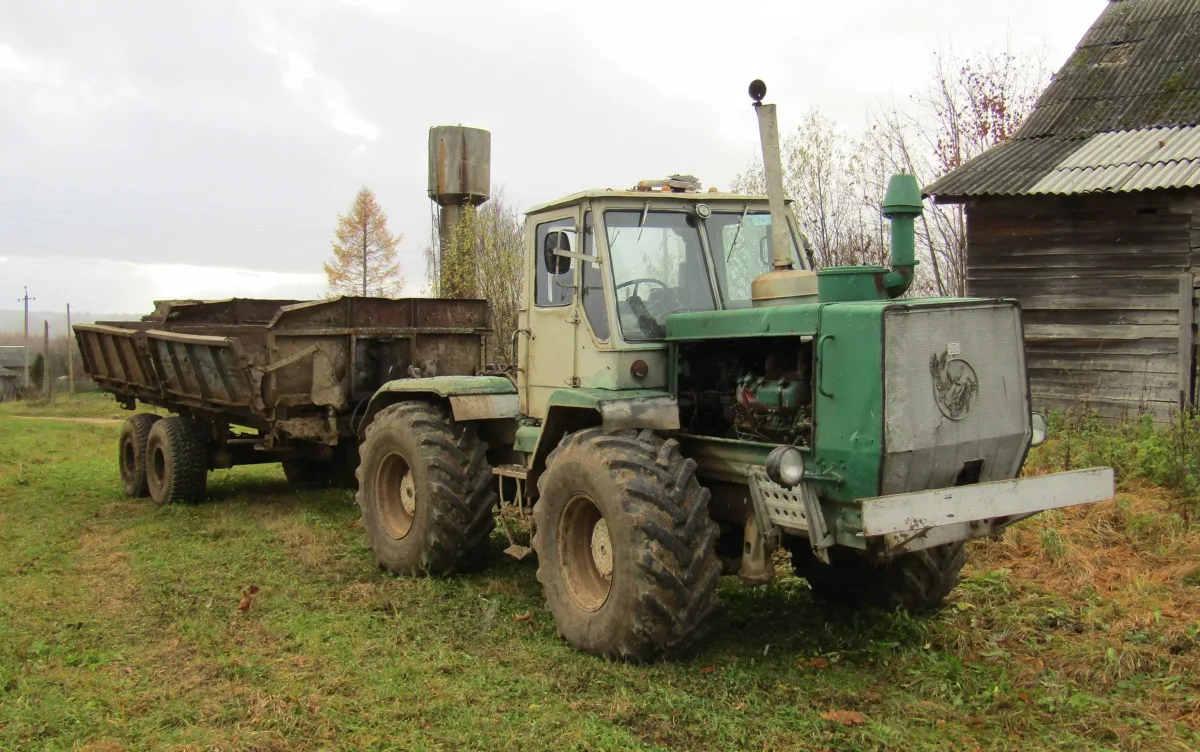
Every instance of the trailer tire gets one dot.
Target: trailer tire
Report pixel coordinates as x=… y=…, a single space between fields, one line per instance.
x=176 y=461
x=131 y=455
x=916 y=582
x=425 y=490
x=644 y=585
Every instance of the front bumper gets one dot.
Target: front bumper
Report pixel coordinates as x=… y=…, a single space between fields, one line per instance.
x=923 y=519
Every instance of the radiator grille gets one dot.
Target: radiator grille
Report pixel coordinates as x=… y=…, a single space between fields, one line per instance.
x=955 y=392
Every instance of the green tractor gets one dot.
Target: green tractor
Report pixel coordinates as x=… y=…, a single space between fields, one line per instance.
x=689 y=395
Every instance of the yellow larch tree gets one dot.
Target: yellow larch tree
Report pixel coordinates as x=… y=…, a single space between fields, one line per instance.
x=364 y=253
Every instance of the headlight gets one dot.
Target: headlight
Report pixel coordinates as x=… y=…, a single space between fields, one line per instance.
x=1040 y=430
x=785 y=466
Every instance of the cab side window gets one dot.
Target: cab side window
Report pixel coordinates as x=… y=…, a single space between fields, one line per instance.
x=593 y=284
x=553 y=280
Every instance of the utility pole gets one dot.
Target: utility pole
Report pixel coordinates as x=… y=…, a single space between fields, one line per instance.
x=70 y=354
x=26 y=299
x=47 y=394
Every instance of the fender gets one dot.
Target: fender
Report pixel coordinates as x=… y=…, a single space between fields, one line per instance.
x=471 y=397
x=571 y=410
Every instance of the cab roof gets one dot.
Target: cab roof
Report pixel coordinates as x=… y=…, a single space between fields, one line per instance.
x=697 y=196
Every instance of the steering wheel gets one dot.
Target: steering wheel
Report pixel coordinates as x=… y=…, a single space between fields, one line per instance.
x=646 y=322
x=637 y=282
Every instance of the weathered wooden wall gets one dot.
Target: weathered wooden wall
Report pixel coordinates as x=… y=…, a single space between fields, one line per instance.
x=1099 y=279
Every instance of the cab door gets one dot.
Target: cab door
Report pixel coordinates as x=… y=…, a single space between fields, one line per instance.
x=546 y=354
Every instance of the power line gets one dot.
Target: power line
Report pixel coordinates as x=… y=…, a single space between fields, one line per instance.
x=200 y=223
x=410 y=250
x=162 y=237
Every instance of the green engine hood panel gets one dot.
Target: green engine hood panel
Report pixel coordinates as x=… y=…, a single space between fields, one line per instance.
x=773 y=321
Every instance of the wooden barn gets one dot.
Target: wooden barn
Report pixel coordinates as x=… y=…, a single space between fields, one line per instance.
x=8 y=385
x=1090 y=216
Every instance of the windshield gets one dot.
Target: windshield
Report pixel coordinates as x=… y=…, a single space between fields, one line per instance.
x=742 y=250
x=658 y=269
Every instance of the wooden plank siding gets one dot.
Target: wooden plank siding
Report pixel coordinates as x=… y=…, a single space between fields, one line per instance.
x=1099 y=280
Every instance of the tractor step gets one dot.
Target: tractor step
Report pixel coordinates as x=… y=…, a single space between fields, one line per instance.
x=518 y=473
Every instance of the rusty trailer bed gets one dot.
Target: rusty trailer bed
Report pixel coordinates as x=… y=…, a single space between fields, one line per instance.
x=297 y=369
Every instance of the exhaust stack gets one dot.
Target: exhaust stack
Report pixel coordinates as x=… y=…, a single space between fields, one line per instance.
x=784 y=284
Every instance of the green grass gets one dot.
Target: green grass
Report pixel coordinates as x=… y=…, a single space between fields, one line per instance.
x=120 y=629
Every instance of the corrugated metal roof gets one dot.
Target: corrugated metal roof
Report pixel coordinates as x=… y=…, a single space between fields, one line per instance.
x=1136 y=69
x=1128 y=161
x=12 y=355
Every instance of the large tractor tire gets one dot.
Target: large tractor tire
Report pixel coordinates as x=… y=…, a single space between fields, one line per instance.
x=626 y=549
x=425 y=490
x=336 y=472
x=176 y=461
x=916 y=582
x=132 y=454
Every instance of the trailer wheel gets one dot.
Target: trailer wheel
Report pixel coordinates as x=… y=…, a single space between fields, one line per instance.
x=132 y=454
x=626 y=548
x=176 y=461
x=916 y=582
x=425 y=490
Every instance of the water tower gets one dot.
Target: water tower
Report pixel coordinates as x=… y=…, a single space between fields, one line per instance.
x=460 y=174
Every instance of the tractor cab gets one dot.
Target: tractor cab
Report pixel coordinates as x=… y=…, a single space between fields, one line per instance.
x=606 y=268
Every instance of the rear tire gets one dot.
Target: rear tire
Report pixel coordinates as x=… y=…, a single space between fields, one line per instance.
x=176 y=461
x=916 y=582
x=425 y=490
x=626 y=549
x=132 y=454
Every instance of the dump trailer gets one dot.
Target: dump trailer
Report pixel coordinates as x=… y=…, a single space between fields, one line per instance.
x=256 y=381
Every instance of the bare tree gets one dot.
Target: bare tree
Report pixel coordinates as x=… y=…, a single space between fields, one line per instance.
x=839 y=181
x=820 y=168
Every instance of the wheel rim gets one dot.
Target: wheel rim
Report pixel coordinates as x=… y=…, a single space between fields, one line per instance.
x=395 y=496
x=158 y=465
x=585 y=555
x=128 y=458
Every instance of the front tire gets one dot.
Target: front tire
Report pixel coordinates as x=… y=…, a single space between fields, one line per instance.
x=916 y=582
x=132 y=454
x=425 y=490
x=176 y=461
x=626 y=549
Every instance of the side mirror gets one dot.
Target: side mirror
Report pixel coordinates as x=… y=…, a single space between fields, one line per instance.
x=557 y=240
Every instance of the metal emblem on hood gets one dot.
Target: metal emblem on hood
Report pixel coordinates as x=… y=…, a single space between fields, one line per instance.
x=955 y=385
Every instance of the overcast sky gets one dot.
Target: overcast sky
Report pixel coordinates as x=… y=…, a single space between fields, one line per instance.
x=203 y=148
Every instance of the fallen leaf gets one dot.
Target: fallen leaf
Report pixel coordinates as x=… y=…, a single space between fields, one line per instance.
x=872 y=697
x=523 y=617
x=740 y=706
x=819 y=663
x=845 y=717
x=248 y=597
x=941 y=724
x=708 y=670
x=1023 y=696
